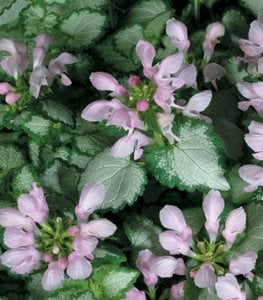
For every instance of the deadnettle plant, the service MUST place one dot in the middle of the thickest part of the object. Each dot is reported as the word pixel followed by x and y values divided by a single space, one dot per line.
pixel 16 64
pixel 63 244
pixel 209 265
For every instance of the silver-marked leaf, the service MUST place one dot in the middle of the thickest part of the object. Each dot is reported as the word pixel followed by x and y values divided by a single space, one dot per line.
pixel 10 157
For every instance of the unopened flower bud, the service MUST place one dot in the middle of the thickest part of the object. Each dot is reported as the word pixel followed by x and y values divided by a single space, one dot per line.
pixel 134 80
pixel 73 230
pixel 62 262
pixel 142 105
pixel 55 250
pixel 11 98
pixel 5 87
pixel 47 257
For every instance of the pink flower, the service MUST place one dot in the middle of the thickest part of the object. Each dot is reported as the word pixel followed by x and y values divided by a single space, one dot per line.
pixel 142 105
pixel 253 175
pixel 177 31
pixel 152 266
pixel 38 78
pixel 43 40
pixel 212 72
pixel 85 246
pixel 11 98
pixel 165 121
pixel 260 65
pixel 185 76
pixel 57 66
pixel 213 206
pixel 177 291
pixel 34 204
pixel 135 294
pixel 255 139
pixel 127 145
pixel 244 264
pixel 5 87
pixel 177 241
pixel 16 237
pixel 254 45
pixel 253 92
pixel 11 217
pixel 100 228
pixel 213 32
pixel 235 224
pixel 53 277
pixel 103 81
pixel 17 62
pixel 134 80
pixel 92 195
pixel 205 277
pixel 228 288
pixel 78 267
pixel 22 260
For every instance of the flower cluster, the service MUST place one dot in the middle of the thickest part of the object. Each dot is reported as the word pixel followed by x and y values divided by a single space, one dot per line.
pixel 146 108
pixel 62 243
pixel 253 50
pixel 209 265
pixel 17 63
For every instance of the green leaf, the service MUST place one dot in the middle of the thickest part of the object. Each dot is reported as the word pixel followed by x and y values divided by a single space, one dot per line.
pixel 195 218
pixel 237 193
pixel 258 281
pixel 114 281
pixel 207 295
pixel 83 27
pixel 123 179
pixel 35 288
pixel 253 240
pixel 190 289
pixel 5 4
pixel 127 38
pixel 193 163
pixel 58 112
pixel 23 179
pixel 37 126
pixel 108 254
pixel 92 144
pixel 10 157
pixel 37 20
pixel 11 13
pixel 143 234
pixel 234 70
pixel 144 11
pixel 255 6
pixel 209 3
pixel 70 293
pixel 61 179
pixel 57 1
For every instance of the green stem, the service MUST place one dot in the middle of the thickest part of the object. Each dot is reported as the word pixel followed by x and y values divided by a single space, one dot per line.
pixel 152 292
pixel 158 139
pixel 197 10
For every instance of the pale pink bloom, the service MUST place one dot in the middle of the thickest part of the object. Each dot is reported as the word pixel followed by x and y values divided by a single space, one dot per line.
pixel 38 78
pixel 260 298
pixel 165 121
pixel 134 80
pixel 11 217
pixel 213 32
pixel 254 139
pixel 34 204
pixel 16 237
pixel 53 277
pixel 127 145
pixel 142 105
pixel 164 96
pixel 103 81
pixel 91 197
pixel 17 62
pixel 11 98
pixel 43 40
pixel 171 217
pixel 185 76
pixel 177 291
pixel 196 104
pixel 235 224
pixel 57 66
pixel 125 118
pixel 85 246
pixel 153 266
pixel 47 258
pixel 174 243
pixel 244 264
pixel 22 260
pixel 181 269
pixel 74 230
pixel 78 266
pixel 101 110
pixel 227 288
pixel 254 45
pixel 100 228
pixel 135 294
pixel 146 53
pixel 177 31
pixel 205 277
pixel 62 263
pixel 213 206
pixel 213 72
pixel 260 65
pixel 253 175
pixel 253 92
pixel 5 87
